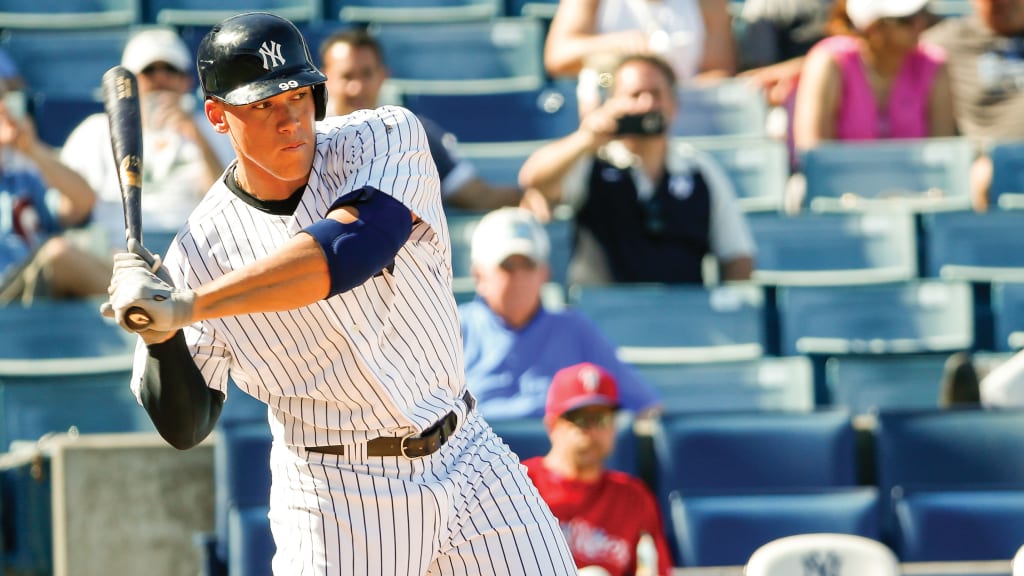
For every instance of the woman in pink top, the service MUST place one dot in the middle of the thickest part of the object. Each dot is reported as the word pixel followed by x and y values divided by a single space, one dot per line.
pixel 872 79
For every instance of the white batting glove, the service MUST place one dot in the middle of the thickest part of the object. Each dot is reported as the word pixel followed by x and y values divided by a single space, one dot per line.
pixel 134 284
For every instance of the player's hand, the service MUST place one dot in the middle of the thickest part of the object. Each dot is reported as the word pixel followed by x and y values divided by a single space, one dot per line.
pixel 135 285
pixel 153 260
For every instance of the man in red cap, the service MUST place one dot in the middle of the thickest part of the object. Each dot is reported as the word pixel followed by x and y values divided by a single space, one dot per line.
pixel 603 513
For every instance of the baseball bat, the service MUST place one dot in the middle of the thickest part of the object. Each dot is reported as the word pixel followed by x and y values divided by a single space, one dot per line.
pixel 121 102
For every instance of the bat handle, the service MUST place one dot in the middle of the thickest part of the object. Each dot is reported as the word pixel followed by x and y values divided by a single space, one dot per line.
pixel 137 319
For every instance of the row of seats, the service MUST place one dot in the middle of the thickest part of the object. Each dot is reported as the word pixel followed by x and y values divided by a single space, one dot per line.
pixel 732 481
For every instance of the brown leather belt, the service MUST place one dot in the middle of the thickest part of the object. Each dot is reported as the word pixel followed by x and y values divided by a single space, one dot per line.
pixel 427 442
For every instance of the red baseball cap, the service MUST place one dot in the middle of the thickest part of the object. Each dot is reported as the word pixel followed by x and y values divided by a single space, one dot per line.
pixel 581 385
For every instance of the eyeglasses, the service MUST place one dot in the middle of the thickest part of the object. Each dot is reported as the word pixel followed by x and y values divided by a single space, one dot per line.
pixel 586 420
pixel 160 67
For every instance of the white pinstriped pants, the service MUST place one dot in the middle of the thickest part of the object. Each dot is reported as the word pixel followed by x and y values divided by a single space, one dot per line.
pixel 467 509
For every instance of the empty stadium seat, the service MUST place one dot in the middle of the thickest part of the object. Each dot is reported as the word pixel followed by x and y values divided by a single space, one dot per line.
pixel 966 245
pixel 926 174
pixel 653 323
pixel 529 116
pixel 498 163
pixel 200 12
pixel 728 108
pixel 446 58
pixel 757 167
pixel 30 332
pixel 754 452
pixel 1008 315
pixel 543 9
pixel 864 384
pixel 960 525
pixel 766 383
pixel 64 14
pixel 242 475
pixel 826 249
pixel 1007 188
pixel 904 317
pixel 725 530
pixel 251 548
pixel 527 437
pixel 414 11
pixel 823 551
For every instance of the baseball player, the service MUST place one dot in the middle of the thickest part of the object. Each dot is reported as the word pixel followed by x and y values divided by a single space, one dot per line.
pixel 317 273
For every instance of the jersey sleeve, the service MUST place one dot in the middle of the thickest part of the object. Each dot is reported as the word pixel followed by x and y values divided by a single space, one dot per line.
pixel 390 152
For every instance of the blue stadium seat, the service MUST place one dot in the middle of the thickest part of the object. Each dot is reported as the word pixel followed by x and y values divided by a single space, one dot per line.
pixel 729 108
pixel 724 530
pixel 1008 315
pixel 56 116
pixel 527 437
pixel 251 548
pixel 767 383
pixel 241 473
pixel 529 116
pixel 474 57
pixel 542 9
pixel 754 452
pixel 498 163
pixel 971 246
pixel 918 316
pixel 926 174
pixel 30 332
pixel 65 14
pixel 757 167
pixel 960 525
pixel 652 323
pixel 864 384
pixel 201 12
pixel 40 396
pixel 834 248
pixel 1007 188
pixel 411 11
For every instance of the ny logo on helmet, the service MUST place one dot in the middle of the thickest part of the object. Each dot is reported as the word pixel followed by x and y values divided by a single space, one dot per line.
pixel 271 55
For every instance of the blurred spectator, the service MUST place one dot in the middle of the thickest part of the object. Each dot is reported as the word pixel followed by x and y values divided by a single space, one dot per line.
pixel 647 209
pixel 986 62
pixel 40 198
pixel 603 513
pixel 960 385
pixel 872 79
pixel 995 385
pixel 355 69
pixel 513 345
pixel 179 159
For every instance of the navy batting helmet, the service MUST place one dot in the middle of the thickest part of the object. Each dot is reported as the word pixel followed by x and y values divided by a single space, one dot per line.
pixel 253 56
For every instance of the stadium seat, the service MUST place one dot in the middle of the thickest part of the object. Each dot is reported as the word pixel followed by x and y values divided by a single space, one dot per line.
pixel 922 175
pixel 1008 315
pixel 1007 188
pixel 1018 562
pixel 498 163
pixel 527 437
pixel 30 332
pixel 251 548
pixel 65 14
pixel 966 245
pixel 204 13
pixel 822 249
pixel 960 525
pixel 825 552
pixel 469 57
pixel 56 116
pixel 728 108
pixel 767 383
pixel 529 116
pixel 65 64
pixel 241 474
pixel 725 530
pixel 411 11
pixel 92 395
pixel 652 323
pixel 754 452
pixel 864 384
pixel 757 167
pixel 904 317
pixel 542 9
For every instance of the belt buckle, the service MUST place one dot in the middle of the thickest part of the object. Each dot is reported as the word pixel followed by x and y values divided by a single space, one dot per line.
pixel 401 446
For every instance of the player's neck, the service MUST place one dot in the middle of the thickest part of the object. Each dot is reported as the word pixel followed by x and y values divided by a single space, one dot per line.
pixel 264 186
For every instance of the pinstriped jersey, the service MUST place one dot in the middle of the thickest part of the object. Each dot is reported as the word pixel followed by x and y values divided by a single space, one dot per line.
pixel 382 359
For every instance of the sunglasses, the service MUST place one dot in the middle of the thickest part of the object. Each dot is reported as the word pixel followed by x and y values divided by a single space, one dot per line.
pixel 587 420
pixel 160 67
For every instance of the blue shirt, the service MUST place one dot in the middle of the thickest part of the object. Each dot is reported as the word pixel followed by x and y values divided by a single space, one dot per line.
pixel 509 370
pixel 26 219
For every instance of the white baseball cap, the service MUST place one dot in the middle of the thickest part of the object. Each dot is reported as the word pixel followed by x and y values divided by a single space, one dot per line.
pixel 156 45
pixel 864 13
pixel 509 232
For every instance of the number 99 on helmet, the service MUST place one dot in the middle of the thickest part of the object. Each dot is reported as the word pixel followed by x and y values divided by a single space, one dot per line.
pixel 254 56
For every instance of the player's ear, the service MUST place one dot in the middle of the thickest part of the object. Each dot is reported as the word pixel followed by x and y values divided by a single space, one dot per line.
pixel 215 114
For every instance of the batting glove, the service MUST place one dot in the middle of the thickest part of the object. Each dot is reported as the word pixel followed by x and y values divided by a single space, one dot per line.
pixel 134 284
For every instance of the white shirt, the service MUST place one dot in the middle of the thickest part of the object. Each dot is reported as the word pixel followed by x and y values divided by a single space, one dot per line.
pixel 675 29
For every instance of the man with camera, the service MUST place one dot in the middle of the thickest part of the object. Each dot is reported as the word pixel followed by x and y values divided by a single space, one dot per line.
pixel 648 208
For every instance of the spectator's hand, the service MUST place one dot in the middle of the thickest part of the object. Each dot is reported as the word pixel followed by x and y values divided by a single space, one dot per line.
pixel 602 123
pixel 18 133
pixel 135 285
pixel 536 203
pixel 778 81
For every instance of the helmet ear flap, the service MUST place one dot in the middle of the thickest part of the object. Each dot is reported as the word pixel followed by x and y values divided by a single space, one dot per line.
pixel 320 100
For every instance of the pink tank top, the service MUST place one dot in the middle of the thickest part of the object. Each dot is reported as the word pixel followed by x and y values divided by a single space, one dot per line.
pixel 860 117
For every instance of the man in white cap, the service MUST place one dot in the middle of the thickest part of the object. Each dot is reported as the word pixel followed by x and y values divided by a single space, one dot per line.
pixel 512 345
pixel 180 160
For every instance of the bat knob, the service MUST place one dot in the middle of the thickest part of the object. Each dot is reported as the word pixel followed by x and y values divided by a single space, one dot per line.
pixel 137 319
